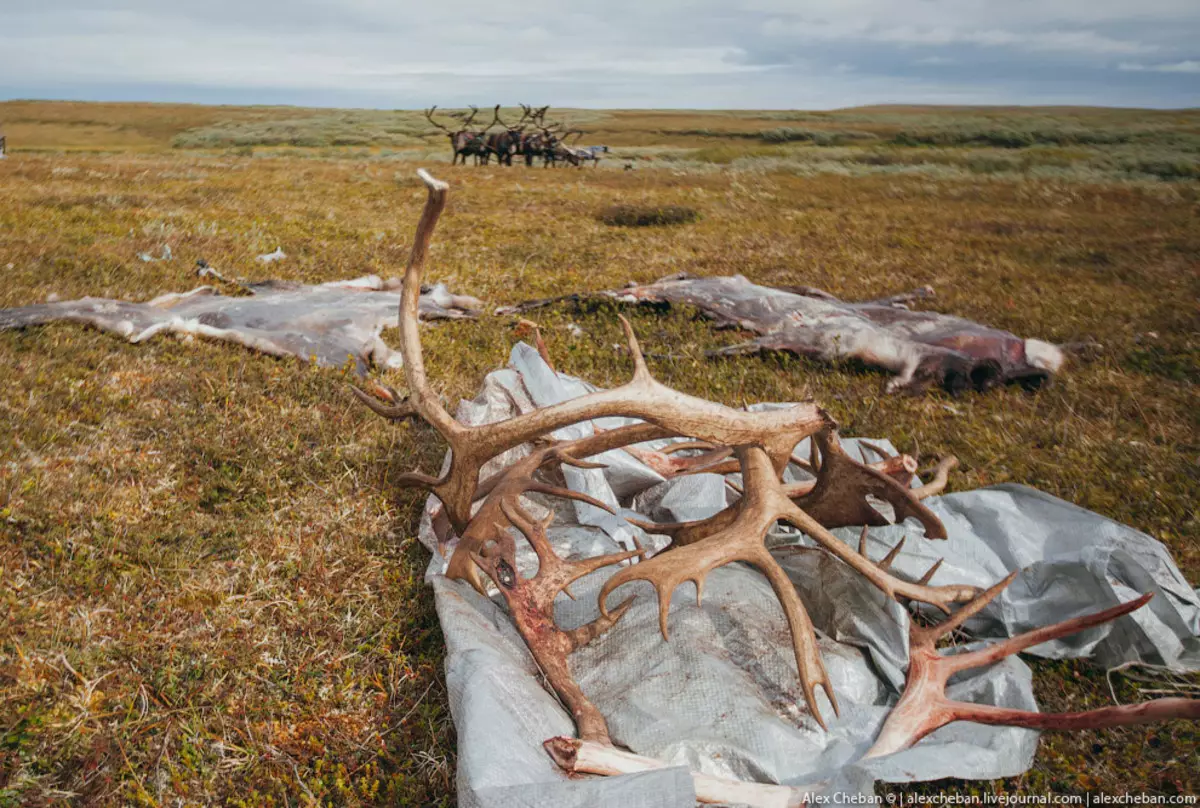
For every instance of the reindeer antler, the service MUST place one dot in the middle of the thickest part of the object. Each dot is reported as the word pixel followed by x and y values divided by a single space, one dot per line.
pixel 836 498
pixel 737 534
pixel 643 397
pixel 495 118
pixel 429 117
pixel 531 600
pixel 762 444
pixel 839 497
pixel 924 706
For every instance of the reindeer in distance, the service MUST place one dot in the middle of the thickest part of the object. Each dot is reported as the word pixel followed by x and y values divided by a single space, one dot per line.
pixel 530 137
pixel 510 140
pixel 464 141
pixel 552 143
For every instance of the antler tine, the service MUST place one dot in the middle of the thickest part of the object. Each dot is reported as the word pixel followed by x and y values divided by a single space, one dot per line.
pixel 429 116
pixel 566 493
pixel 996 652
pixel 500 121
pixel 924 706
pixel 567 459
pixel 640 371
pixel 687 445
pixel 584 634
pixel 523 327
pixel 395 412
pixel 474 111
pixel 940 596
pixel 802 463
pixel 930 635
pixel 495 118
pixel 519 518
pixel 881 452
pixel 886 562
pixel 741 539
pixel 941 476
pixel 929 573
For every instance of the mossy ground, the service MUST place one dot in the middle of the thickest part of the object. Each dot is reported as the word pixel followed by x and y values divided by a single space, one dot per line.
pixel 210 586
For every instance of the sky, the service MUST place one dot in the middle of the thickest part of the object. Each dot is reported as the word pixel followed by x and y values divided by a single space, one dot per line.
pixel 747 54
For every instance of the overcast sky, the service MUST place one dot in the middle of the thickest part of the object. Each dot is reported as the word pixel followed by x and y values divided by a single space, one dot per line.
pixel 616 53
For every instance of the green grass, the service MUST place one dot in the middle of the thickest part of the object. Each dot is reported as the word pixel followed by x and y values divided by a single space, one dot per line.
pixel 210 586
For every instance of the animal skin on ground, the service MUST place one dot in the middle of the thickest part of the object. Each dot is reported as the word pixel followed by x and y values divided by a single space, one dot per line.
pixel 922 348
pixel 328 323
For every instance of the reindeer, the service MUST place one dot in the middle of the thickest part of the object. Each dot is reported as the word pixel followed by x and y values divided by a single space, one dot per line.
pixel 546 142
pixel 464 141
pixel 532 144
pixel 506 143
pixel 560 151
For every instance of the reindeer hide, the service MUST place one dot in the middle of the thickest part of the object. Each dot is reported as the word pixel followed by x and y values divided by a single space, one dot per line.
pixel 920 347
pixel 328 323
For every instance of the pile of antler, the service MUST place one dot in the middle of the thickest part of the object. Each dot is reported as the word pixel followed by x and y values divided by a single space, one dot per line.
pixel 758 444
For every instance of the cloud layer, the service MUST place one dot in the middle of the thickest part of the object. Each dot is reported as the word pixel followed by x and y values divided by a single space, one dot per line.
pixel 666 53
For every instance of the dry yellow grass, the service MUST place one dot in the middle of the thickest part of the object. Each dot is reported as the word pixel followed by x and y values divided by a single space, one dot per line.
pixel 209 581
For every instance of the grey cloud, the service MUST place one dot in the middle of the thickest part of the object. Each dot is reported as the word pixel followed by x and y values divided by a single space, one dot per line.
pixel 753 53
pixel 1187 66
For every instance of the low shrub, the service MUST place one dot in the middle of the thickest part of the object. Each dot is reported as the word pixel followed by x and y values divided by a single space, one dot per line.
pixel 820 137
pixel 639 216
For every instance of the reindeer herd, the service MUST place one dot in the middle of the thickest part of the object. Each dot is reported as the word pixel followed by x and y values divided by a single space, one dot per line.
pixel 530 137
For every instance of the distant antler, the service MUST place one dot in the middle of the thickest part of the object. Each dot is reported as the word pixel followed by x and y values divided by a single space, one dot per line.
pixel 429 117
pixel 924 707
pixel 495 118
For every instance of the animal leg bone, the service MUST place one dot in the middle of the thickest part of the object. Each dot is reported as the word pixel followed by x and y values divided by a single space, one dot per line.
pixel 576 756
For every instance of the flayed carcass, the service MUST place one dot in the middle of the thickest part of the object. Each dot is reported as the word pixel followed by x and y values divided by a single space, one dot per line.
pixel 760 445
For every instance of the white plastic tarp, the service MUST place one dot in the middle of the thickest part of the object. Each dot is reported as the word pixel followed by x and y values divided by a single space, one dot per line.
pixel 721 697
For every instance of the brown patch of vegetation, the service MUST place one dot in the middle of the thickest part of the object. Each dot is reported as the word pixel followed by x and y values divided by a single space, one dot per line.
pixel 639 216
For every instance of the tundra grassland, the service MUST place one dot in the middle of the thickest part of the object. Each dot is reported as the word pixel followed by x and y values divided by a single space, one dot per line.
pixel 210 586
